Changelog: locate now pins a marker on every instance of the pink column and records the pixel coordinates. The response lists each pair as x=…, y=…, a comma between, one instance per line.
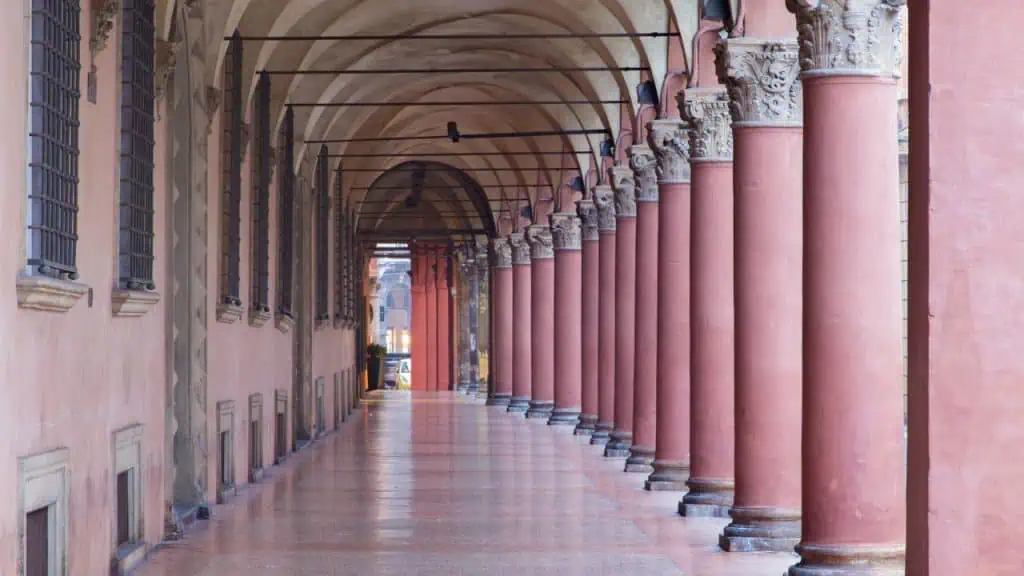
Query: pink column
x=431, y=296
x=418, y=351
x=565, y=231
x=670, y=142
x=854, y=494
x=604, y=200
x=645, y=378
x=769, y=304
x=542, y=304
x=443, y=324
x=590, y=255
x=624, y=185
x=966, y=399
x=522, y=332
x=712, y=364
x=503, y=330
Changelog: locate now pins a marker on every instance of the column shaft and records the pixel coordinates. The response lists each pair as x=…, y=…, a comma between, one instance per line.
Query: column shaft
x=418, y=352
x=671, y=464
x=565, y=228
x=606, y=317
x=625, y=309
x=443, y=326
x=712, y=364
x=522, y=332
x=590, y=312
x=431, y=297
x=543, y=324
x=503, y=337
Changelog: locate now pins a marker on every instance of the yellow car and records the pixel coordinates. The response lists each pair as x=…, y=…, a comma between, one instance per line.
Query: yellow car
x=404, y=381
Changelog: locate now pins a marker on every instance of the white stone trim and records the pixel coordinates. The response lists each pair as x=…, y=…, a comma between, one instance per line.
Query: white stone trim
x=126, y=445
x=226, y=455
x=45, y=294
x=43, y=481
x=256, y=415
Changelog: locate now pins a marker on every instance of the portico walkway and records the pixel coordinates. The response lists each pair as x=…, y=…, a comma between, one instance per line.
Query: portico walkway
x=436, y=484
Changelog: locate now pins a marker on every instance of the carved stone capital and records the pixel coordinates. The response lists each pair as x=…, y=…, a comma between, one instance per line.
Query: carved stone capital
x=566, y=231
x=707, y=111
x=520, y=249
x=164, y=61
x=541, y=242
x=103, y=14
x=587, y=212
x=669, y=140
x=763, y=81
x=502, y=253
x=604, y=201
x=645, y=172
x=849, y=37
x=624, y=183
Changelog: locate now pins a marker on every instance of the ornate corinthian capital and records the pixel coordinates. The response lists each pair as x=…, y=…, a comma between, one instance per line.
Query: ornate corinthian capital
x=541, y=243
x=671, y=144
x=604, y=200
x=520, y=248
x=763, y=81
x=502, y=251
x=587, y=212
x=645, y=171
x=624, y=184
x=565, y=229
x=707, y=111
x=849, y=37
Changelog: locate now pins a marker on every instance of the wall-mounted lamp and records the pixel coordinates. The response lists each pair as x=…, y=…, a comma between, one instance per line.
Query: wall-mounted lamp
x=647, y=93
x=608, y=148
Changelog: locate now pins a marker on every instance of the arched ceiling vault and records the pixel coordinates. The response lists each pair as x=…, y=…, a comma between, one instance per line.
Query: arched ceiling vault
x=516, y=166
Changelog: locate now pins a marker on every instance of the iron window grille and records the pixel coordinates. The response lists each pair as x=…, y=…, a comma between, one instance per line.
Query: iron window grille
x=323, y=208
x=261, y=197
x=231, y=160
x=339, y=247
x=54, y=93
x=135, y=218
x=286, y=215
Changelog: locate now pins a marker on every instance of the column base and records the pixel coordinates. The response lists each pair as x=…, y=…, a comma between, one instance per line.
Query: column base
x=586, y=426
x=564, y=417
x=602, y=434
x=640, y=459
x=668, y=476
x=849, y=560
x=499, y=400
x=519, y=404
x=540, y=409
x=707, y=498
x=619, y=444
x=761, y=529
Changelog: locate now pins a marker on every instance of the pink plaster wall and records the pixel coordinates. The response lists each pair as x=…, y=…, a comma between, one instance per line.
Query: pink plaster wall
x=71, y=380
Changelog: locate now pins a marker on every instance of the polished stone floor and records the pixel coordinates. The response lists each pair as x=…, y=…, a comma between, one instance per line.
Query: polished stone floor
x=442, y=485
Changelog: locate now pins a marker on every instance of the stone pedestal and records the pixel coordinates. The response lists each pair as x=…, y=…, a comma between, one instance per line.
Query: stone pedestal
x=589, y=319
x=712, y=365
x=565, y=229
x=501, y=255
x=604, y=201
x=624, y=184
x=669, y=140
x=854, y=494
x=522, y=332
x=645, y=376
x=542, y=256
x=768, y=163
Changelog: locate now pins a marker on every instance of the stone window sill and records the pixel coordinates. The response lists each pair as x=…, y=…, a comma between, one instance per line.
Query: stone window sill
x=48, y=294
x=284, y=323
x=229, y=313
x=132, y=303
x=258, y=318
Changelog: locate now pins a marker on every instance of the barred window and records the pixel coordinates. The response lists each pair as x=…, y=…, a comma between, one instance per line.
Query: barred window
x=231, y=163
x=339, y=247
x=54, y=66
x=286, y=215
x=323, y=208
x=135, y=217
x=262, y=166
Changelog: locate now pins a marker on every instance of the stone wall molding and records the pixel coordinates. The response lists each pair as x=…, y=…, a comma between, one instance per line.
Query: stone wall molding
x=502, y=251
x=670, y=141
x=604, y=201
x=707, y=111
x=849, y=37
x=566, y=231
x=541, y=241
x=520, y=249
x=624, y=184
x=587, y=212
x=762, y=78
x=645, y=171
